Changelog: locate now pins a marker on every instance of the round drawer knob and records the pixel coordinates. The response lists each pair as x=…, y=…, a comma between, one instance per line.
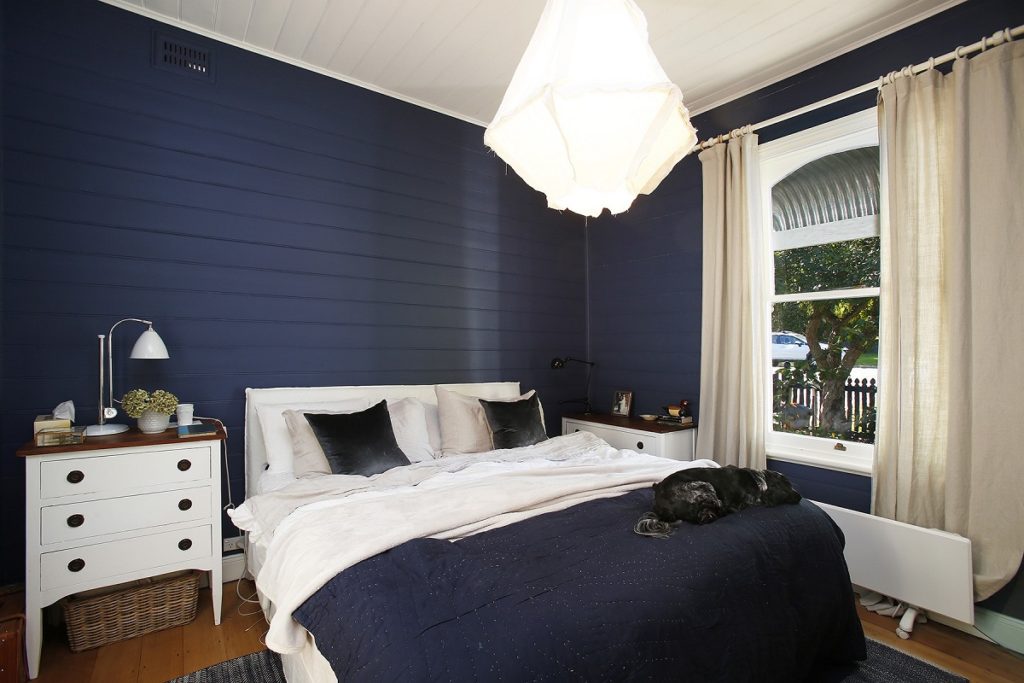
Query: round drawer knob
x=76, y=565
x=75, y=521
x=184, y=465
x=185, y=544
x=184, y=504
x=640, y=445
x=75, y=476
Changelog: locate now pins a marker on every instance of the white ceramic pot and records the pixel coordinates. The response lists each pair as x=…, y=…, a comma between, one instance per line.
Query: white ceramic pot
x=152, y=422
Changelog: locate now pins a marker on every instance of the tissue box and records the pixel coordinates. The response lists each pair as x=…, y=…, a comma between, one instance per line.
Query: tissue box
x=48, y=422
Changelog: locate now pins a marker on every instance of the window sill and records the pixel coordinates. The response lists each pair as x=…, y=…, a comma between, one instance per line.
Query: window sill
x=845, y=462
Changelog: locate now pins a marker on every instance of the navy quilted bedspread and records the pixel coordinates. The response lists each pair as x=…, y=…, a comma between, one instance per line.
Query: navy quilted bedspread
x=760, y=595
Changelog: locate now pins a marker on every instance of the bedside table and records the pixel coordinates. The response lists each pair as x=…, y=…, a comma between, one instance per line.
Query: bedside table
x=115, y=509
x=667, y=440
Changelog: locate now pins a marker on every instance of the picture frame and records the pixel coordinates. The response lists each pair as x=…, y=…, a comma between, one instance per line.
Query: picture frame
x=623, y=403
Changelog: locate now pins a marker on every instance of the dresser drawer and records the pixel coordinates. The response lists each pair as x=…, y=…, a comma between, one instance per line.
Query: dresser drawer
x=619, y=438
x=114, y=473
x=92, y=562
x=112, y=515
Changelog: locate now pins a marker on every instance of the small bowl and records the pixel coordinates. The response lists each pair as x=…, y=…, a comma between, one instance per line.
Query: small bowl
x=674, y=410
x=649, y=418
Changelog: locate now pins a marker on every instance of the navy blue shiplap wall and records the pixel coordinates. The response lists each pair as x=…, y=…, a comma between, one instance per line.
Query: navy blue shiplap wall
x=645, y=265
x=281, y=228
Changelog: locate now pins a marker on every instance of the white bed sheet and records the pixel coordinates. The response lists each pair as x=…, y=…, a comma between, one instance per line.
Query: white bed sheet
x=274, y=481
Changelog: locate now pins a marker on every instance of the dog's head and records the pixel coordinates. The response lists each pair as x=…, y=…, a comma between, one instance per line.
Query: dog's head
x=686, y=501
x=779, y=491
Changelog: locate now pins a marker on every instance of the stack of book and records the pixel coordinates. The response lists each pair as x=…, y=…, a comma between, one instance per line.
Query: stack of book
x=196, y=429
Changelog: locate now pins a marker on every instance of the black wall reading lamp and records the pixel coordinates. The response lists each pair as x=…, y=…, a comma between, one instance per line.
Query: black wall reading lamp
x=559, y=363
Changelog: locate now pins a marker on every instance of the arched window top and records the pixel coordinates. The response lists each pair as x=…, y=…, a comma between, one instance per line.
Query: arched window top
x=833, y=188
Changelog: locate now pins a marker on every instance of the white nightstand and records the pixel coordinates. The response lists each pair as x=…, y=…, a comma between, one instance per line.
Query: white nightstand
x=115, y=509
x=655, y=438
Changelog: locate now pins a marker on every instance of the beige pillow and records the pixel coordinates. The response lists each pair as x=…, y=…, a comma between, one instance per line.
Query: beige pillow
x=307, y=456
x=463, y=423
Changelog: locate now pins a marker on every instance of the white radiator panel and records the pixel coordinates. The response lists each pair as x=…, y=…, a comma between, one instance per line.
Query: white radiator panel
x=926, y=568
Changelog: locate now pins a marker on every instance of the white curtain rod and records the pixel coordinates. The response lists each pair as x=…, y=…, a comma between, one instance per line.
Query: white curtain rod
x=998, y=38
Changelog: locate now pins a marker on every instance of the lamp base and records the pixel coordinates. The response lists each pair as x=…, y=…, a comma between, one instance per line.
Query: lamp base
x=105, y=429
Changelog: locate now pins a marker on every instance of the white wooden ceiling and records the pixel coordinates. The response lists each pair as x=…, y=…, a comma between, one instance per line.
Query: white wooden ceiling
x=457, y=56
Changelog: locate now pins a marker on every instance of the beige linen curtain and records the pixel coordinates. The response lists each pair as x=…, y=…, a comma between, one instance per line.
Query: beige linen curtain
x=731, y=382
x=951, y=422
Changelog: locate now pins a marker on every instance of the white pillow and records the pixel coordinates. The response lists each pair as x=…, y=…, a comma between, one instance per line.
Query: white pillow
x=463, y=422
x=407, y=420
x=433, y=427
x=276, y=439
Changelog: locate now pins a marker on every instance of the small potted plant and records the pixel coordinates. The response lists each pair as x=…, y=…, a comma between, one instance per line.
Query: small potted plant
x=153, y=411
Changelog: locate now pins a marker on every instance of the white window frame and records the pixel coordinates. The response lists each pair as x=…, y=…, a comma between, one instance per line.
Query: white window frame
x=779, y=158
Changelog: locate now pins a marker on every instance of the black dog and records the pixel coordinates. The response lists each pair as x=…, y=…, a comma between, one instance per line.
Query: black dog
x=703, y=494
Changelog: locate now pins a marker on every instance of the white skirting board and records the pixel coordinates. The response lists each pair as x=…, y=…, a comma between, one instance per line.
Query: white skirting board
x=234, y=567
x=926, y=568
x=1007, y=631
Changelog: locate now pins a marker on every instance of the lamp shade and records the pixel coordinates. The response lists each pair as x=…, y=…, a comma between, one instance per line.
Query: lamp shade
x=590, y=118
x=149, y=346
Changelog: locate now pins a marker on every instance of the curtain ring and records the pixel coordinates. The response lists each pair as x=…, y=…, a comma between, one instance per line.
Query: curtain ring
x=984, y=43
x=956, y=52
x=931, y=63
x=1007, y=36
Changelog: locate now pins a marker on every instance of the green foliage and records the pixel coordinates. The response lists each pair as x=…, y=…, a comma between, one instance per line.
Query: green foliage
x=138, y=401
x=837, y=265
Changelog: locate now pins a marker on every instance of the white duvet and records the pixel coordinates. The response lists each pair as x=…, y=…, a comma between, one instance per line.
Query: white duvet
x=315, y=528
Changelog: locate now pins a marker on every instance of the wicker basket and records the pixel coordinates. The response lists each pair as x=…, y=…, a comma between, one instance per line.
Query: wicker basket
x=150, y=605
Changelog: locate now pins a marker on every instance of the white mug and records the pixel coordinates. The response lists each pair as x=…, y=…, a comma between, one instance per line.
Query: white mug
x=185, y=412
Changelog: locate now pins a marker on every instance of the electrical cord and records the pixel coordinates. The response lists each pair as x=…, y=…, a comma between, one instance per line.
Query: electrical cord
x=253, y=598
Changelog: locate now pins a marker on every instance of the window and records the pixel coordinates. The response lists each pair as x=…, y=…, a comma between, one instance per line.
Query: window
x=822, y=257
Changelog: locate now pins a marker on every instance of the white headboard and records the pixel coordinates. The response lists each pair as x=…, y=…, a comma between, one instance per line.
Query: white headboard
x=255, y=449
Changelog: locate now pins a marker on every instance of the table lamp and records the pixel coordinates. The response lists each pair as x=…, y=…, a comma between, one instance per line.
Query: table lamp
x=148, y=346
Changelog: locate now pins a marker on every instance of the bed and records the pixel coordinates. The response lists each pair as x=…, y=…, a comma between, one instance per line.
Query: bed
x=521, y=564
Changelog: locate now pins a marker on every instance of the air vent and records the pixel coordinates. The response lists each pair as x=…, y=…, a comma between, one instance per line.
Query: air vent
x=172, y=54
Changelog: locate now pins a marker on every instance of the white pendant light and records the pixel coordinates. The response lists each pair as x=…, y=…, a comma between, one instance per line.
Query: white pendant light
x=590, y=118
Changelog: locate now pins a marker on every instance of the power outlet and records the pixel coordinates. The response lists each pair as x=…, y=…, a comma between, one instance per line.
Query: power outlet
x=232, y=544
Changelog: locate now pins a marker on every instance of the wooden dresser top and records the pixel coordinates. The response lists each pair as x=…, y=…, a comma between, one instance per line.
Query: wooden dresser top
x=133, y=438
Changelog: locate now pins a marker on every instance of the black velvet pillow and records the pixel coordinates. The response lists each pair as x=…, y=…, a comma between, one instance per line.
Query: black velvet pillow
x=514, y=423
x=358, y=443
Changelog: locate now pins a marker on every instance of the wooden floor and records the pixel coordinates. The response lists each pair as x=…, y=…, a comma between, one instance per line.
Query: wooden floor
x=160, y=656
x=977, y=660
x=164, y=655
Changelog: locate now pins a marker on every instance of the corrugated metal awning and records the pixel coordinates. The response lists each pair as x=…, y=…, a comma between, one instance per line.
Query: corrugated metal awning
x=834, y=188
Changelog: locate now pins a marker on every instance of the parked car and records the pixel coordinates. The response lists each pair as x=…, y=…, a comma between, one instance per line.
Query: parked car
x=789, y=346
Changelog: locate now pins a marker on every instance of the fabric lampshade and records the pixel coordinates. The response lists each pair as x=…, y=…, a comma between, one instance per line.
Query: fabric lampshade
x=590, y=118
x=149, y=346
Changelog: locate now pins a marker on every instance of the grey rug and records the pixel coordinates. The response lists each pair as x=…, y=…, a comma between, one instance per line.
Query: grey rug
x=883, y=665
x=259, y=667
